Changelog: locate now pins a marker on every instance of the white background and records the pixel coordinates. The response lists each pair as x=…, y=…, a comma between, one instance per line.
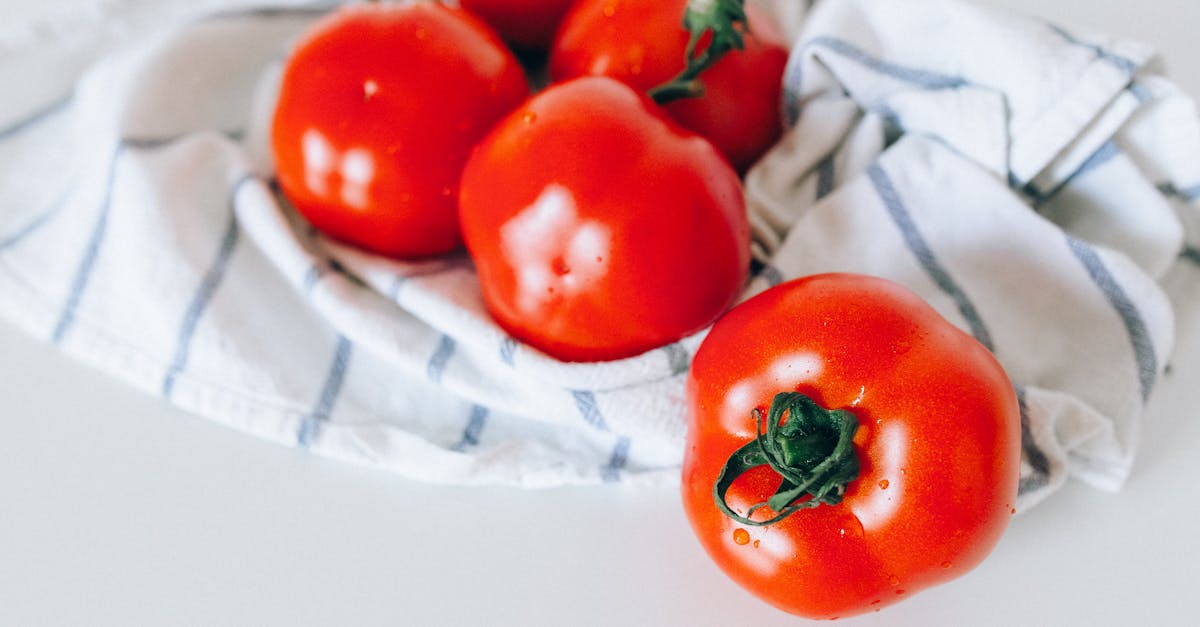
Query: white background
x=116, y=509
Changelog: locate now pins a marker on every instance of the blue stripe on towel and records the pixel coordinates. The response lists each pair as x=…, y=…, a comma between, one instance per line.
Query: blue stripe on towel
x=1188, y=194
x=329, y=392
x=825, y=175
x=91, y=252
x=1135, y=326
x=508, y=350
x=33, y=225
x=26, y=230
x=1038, y=462
x=441, y=356
x=611, y=471
x=771, y=275
x=315, y=9
x=1141, y=92
x=475, y=423
x=677, y=358
x=208, y=286
x=918, y=77
x=35, y=118
x=925, y=79
x=313, y=275
x=585, y=401
x=1129, y=66
x=1105, y=153
x=1191, y=253
x=156, y=143
x=919, y=247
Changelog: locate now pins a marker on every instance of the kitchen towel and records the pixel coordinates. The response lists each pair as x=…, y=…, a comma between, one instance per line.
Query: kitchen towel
x=1036, y=185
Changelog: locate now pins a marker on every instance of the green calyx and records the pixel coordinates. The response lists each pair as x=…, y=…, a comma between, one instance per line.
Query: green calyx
x=726, y=21
x=812, y=451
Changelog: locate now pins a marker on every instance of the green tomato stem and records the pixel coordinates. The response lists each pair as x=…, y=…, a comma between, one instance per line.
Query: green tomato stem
x=726, y=20
x=812, y=452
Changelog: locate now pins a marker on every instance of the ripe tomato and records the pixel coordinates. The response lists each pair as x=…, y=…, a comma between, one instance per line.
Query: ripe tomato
x=600, y=228
x=378, y=109
x=643, y=42
x=926, y=478
x=526, y=23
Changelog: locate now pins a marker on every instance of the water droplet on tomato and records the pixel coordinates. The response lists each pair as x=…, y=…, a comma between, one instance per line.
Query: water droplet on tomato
x=446, y=191
x=901, y=591
x=894, y=580
x=422, y=33
x=851, y=527
x=756, y=543
x=946, y=564
x=559, y=266
x=530, y=117
x=883, y=484
x=741, y=536
x=610, y=9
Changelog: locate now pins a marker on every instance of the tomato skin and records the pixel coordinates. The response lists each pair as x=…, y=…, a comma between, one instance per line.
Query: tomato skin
x=526, y=23
x=378, y=108
x=642, y=43
x=599, y=227
x=938, y=442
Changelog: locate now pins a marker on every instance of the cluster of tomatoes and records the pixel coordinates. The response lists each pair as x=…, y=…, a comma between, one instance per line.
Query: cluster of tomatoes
x=602, y=223
x=605, y=216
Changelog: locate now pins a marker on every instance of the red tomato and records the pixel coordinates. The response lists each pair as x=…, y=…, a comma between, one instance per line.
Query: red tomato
x=526, y=23
x=642, y=43
x=378, y=109
x=599, y=227
x=931, y=435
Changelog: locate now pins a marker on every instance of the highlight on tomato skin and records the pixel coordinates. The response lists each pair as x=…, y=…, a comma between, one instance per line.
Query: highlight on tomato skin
x=780, y=380
x=600, y=228
x=378, y=108
x=643, y=43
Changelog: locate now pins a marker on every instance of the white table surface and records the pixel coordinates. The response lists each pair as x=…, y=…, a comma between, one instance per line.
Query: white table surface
x=117, y=509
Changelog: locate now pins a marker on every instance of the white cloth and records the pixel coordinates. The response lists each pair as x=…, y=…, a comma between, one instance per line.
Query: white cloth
x=140, y=232
x=1033, y=184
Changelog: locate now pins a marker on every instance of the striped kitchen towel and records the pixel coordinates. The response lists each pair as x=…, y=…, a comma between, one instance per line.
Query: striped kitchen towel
x=1037, y=185
x=1037, y=199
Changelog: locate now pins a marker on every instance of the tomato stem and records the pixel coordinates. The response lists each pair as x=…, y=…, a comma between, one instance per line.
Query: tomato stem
x=812, y=452
x=726, y=20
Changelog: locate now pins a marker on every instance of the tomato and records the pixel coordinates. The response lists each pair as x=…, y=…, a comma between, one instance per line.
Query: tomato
x=378, y=108
x=599, y=227
x=526, y=23
x=919, y=420
x=643, y=43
